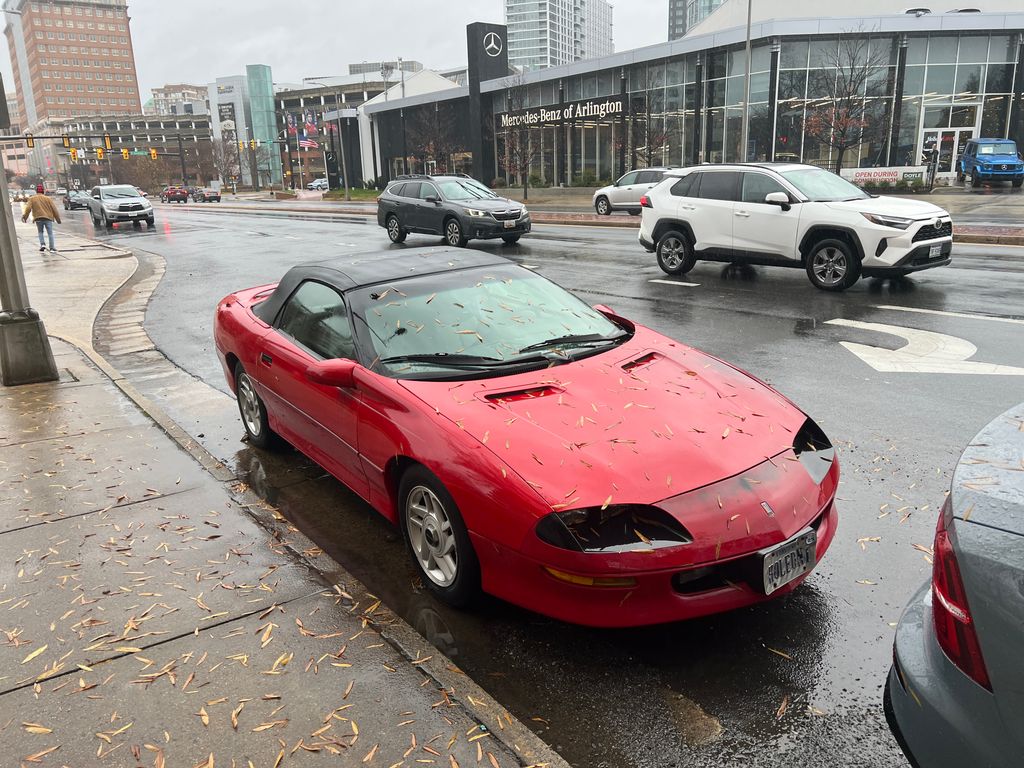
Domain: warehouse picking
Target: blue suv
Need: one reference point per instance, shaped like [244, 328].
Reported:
[990, 160]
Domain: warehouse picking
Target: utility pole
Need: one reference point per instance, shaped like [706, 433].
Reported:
[181, 156]
[745, 132]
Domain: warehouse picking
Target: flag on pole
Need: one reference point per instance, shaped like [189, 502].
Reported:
[308, 144]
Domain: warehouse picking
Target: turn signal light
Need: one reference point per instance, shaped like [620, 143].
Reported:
[592, 581]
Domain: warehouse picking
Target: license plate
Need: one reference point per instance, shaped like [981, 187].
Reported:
[510, 225]
[935, 251]
[789, 560]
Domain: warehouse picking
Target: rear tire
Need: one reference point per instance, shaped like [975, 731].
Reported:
[253, 411]
[634, 212]
[437, 538]
[960, 177]
[395, 232]
[832, 265]
[511, 239]
[453, 234]
[675, 253]
[603, 207]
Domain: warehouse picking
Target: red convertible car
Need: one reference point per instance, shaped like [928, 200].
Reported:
[558, 456]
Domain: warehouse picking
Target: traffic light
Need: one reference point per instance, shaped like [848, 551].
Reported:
[66, 139]
[29, 141]
[99, 153]
[74, 153]
[124, 154]
[252, 144]
[152, 153]
[241, 145]
[106, 141]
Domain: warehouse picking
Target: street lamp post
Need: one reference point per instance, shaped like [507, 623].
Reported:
[746, 94]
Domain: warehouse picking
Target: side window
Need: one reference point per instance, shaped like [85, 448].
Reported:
[396, 189]
[315, 316]
[686, 186]
[719, 185]
[629, 178]
[411, 189]
[427, 190]
[756, 187]
[646, 177]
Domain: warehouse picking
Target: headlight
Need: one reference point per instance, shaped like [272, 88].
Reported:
[110, 206]
[616, 528]
[897, 222]
[524, 214]
[476, 213]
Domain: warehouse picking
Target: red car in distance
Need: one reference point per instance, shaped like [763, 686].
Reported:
[558, 456]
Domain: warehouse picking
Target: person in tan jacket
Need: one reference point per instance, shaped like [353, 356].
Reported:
[42, 209]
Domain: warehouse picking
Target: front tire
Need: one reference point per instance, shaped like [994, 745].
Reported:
[252, 410]
[511, 239]
[395, 232]
[603, 207]
[105, 222]
[1017, 183]
[975, 181]
[453, 234]
[437, 538]
[675, 253]
[832, 265]
[151, 222]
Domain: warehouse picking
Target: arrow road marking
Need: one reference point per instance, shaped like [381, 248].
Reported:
[925, 352]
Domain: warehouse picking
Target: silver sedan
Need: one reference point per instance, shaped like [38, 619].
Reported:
[955, 693]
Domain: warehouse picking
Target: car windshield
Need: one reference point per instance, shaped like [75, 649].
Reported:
[119, 192]
[1000, 148]
[476, 322]
[823, 186]
[465, 189]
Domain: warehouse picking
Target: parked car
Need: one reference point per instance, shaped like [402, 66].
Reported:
[456, 207]
[76, 199]
[468, 400]
[990, 160]
[625, 194]
[320, 185]
[956, 683]
[790, 215]
[206, 195]
[117, 203]
[60, 191]
[174, 195]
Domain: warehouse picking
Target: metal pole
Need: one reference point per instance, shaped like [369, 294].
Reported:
[344, 162]
[181, 156]
[746, 93]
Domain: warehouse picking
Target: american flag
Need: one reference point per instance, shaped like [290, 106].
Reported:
[308, 144]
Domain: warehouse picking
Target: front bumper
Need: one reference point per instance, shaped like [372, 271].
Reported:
[914, 259]
[116, 216]
[998, 174]
[656, 597]
[485, 228]
[941, 717]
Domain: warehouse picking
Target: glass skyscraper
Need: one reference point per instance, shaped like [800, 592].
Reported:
[546, 33]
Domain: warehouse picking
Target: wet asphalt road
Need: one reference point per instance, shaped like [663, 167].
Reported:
[798, 679]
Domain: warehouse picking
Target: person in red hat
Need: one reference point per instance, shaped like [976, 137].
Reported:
[44, 212]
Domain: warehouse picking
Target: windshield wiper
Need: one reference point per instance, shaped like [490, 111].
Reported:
[574, 340]
[446, 359]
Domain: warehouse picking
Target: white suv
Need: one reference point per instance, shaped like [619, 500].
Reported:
[790, 215]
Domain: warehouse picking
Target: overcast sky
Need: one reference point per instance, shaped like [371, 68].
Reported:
[197, 41]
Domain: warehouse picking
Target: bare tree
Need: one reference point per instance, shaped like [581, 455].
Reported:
[841, 119]
[434, 135]
[226, 159]
[520, 149]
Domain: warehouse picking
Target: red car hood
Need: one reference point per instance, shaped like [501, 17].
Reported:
[648, 420]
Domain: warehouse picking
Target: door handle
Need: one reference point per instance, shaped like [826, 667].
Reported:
[688, 207]
[266, 359]
[743, 214]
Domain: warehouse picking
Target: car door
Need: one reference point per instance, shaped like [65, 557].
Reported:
[622, 192]
[430, 213]
[713, 219]
[320, 421]
[409, 205]
[763, 229]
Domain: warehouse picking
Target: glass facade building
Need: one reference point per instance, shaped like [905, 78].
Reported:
[546, 33]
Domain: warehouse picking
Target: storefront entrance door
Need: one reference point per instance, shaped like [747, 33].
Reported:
[949, 141]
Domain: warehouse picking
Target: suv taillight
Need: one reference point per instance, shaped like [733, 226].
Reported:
[645, 202]
[954, 627]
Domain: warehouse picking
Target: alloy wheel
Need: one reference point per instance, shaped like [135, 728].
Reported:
[249, 404]
[431, 536]
[602, 207]
[673, 251]
[393, 229]
[829, 265]
[453, 234]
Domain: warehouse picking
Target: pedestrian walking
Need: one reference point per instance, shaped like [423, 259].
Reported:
[44, 212]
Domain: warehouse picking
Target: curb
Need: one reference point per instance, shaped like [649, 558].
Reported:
[481, 706]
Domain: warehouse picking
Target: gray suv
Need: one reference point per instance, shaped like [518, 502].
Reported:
[113, 203]
[458, 208]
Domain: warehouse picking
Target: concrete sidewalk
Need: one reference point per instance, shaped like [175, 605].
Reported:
[153, 611]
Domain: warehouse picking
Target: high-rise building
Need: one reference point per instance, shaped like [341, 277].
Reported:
[181, 99]
[375, 67]
[546, 33]
[698, 10]
[242, 109]
[71, 57]
[676, 19]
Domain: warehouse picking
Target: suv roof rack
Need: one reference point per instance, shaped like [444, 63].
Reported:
[411, 176]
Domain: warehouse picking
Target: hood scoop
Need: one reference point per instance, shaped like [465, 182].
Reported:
[641, 361]
[516, 395]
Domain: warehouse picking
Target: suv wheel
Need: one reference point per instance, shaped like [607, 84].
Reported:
[395, 232]
[675, 253]
[832, 265]
[975, 181]
[453, 234]
[603, 207]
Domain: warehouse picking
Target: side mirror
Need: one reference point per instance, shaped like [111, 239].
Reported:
[780, 199]
[333, 373]
[433, 199]
[95, 197]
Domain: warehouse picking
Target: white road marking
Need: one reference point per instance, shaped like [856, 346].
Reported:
[925, 352]
[967, 315]
[674, 282]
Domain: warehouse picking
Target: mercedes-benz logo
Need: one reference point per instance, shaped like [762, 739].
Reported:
[492, 43]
